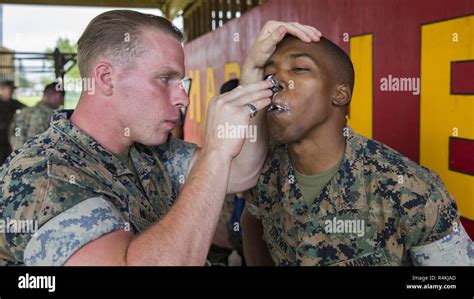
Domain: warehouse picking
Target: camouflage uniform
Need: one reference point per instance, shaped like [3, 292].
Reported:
[77, 191]
[29, 122]
[403, 206]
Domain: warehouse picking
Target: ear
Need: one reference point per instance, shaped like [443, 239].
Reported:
[103, 77]
[343, 95]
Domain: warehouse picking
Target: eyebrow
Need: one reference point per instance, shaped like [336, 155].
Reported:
[292, 56]
[169, 71]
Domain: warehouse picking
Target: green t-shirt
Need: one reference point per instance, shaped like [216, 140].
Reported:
[312, 185]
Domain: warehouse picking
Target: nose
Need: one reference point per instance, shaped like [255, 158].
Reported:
[283, 81]
[180, 98]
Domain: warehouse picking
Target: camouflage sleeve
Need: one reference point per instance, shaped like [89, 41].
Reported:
[59, 238]
[176, 155]
[456, 249]
[433, 218]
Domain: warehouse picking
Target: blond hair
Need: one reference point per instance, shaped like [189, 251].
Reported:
[116, 34]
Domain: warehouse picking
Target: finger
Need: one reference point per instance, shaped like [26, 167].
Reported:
[312, 36]
[268, 44]
[298, 32]
[305, 33]
[271, 26]
[242, 90]
[251, 97]
[317, 33]
[261, 104]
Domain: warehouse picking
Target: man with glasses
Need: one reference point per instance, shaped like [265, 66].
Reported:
[104, 184]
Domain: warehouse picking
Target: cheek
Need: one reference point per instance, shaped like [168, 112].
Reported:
[142, 104]
[315, 99]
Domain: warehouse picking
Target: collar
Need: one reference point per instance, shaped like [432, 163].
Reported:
[346, 190]
[142, 160]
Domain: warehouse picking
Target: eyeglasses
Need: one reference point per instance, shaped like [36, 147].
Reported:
[185, 84]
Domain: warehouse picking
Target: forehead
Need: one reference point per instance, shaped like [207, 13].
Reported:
[162, 50]
[292, 45]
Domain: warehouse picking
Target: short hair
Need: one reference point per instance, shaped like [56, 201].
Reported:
[53, 88]
[116, 34]
[343, 68]
[229, 85]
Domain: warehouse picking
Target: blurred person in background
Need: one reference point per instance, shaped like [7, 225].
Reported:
[8, 107]
[32, 121]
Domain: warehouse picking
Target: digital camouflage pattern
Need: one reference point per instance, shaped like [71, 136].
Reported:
[62, 167]
[455, 249]
[96, 216]
[400, 204]
[29, 122]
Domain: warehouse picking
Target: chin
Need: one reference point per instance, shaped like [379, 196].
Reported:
[286, 136]
[154, 140]
[280, 138]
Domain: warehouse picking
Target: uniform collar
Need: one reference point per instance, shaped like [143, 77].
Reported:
[60, 123]
[346, 190]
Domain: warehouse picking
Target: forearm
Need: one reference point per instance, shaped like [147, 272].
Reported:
[184, 235]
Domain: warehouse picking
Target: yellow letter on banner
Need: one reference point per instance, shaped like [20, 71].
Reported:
[360, 117]
[441, 112]
[231, 68]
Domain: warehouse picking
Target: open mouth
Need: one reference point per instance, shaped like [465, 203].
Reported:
[277, 108]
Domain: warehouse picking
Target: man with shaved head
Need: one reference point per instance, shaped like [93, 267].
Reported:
[328, 196]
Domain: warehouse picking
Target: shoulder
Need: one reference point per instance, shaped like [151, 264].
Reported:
[396, 173]
[27, 165]
[37, 183]
[41, 165]
[424, 206]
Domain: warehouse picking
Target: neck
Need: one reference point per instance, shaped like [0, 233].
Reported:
[322, 148]
[52, 106]
[103, 127]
